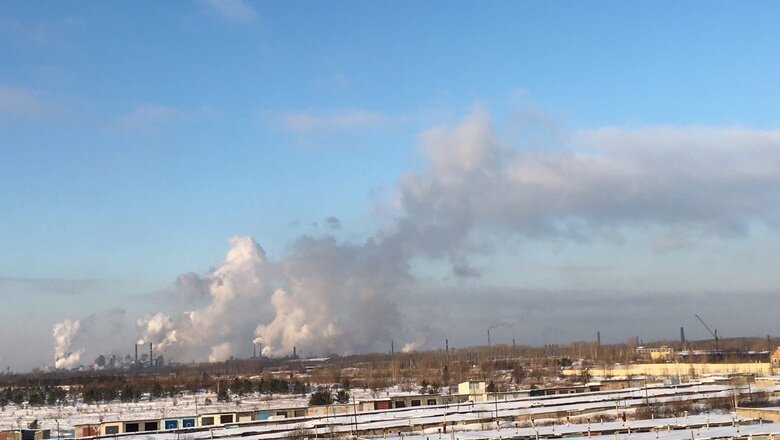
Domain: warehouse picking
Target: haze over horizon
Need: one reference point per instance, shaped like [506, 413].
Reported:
[333, 176]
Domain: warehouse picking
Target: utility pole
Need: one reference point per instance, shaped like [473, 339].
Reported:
[495, 401]
[354, 411]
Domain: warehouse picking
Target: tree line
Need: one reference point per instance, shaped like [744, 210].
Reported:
[126, 388]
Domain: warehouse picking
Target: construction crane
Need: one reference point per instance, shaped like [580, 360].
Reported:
[713, 333]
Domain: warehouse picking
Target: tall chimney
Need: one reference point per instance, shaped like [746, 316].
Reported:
[136, 354]
[488, 337]
[682, 336]
[392, 348]
[295, 354]
[151, 358]
[598, 338]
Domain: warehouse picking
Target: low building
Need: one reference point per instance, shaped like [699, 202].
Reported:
[146, 425]
[329, 410]
[656, 354]
[621, 384]
[554, 391]
[111, 428]
[771, 414]
[87, 429]
[216, 419]
[476, 390]
[179, 422]
[25, 434]
[774, 358]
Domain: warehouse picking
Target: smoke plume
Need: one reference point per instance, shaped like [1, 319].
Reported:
[473, 196]
[64, 335]
[324, 297]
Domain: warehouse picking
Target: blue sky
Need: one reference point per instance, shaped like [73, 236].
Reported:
[136, 138]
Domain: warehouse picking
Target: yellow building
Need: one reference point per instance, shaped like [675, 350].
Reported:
[476, 390]
[656, 354]
[774, 358]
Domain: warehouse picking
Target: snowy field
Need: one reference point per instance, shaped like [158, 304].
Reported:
[696, 427]
[658, 431]
[465, 415]
[76, 413]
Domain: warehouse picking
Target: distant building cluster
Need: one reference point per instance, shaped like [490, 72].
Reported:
[136, 361]
[667, 353]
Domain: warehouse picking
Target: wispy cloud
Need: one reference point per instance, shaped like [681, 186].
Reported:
[26, 103]
[307, 122]
[38, 35]
[704, 182]
[68, 286]
[333, 83]
[670, 243]
[233, 10]
[151, 117]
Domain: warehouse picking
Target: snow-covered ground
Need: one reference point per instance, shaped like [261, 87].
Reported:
[75, 413]
[699, 433]
[608, 401]
[697, 427]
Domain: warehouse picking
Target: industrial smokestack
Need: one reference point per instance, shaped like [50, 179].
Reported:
[392, 347]
[447, 346]
[488, 337]
[151, 357]
[682, 336]
[136, 354]
[254, 350]
[598, 338]
[295, 353]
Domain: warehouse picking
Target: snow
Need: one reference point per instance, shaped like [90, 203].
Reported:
[465, 416]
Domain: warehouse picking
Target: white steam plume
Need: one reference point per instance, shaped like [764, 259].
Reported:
[64, 334]
[473, 195]
[325, 297]
[157, 328]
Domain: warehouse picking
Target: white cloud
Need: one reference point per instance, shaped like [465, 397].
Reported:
[26, 103]
[36, 35]
[338, 120]
[704, 181]
[150, 117]
[335, 82]
[233, 10]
